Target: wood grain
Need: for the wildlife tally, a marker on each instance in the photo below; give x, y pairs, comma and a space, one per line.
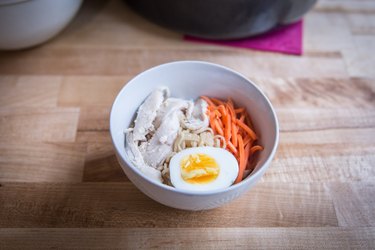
104, 169
354, 203
62, 187
101, 164
363, 136
99, 143
29, 91
81, 91
41, 162
322, 163
360, 17
357, 59
189, 238
122, 205
329, 39
294, 162
336, 93
38, 124
340, 103
73, 61
305, 119
94, 118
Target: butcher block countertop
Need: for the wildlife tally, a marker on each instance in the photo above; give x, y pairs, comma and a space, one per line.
62, 187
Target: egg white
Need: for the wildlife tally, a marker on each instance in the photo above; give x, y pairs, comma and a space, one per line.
227, 163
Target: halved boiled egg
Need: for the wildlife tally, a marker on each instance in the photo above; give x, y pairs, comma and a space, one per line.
203, 169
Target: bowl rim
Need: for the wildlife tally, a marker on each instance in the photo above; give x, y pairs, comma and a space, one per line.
165, 187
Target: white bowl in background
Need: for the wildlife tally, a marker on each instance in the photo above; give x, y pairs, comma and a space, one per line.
26, 23
189, 80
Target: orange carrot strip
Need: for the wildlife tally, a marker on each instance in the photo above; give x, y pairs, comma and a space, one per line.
208, 100
225, 122
231, 110
242, 118
240, 130
211, 108
212, 123
211, 116
222, 110
241, 161
228, 128
232, 148
220, 123
247, 140
217, 113
234, 134
219, 128
239, 110
217, 101
232, 115
247, 129
247, 155
255, 148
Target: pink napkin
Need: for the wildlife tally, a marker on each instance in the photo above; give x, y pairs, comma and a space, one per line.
286, 39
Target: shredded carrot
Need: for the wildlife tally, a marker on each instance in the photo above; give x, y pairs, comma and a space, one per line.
209, 102
234, 124
218, 127
222, 110
239, 110
232, 148
247, 154
247, 140
212, 123
230, 107
217, 112
255, 148
247, 129
247, 151
241, 160
228, 128
217, 101
211, 108
234, 134
230, 103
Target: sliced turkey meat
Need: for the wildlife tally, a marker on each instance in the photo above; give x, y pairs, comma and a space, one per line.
197, 120
160, 145
136, 158
147, 113
169, 106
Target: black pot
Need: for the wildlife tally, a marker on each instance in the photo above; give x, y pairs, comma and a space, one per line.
222, 19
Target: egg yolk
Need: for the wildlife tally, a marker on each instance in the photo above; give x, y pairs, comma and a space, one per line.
199, 169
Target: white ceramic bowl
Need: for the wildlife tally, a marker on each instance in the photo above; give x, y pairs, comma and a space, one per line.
190, 79
26, 23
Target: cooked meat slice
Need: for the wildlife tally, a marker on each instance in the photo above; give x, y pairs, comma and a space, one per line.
169, 106
147, 113
160, 145
136, 158
197, 120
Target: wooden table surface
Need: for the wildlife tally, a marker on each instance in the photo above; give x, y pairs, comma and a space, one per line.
60, 183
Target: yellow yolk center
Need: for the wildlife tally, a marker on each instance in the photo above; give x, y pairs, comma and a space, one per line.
199, 168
